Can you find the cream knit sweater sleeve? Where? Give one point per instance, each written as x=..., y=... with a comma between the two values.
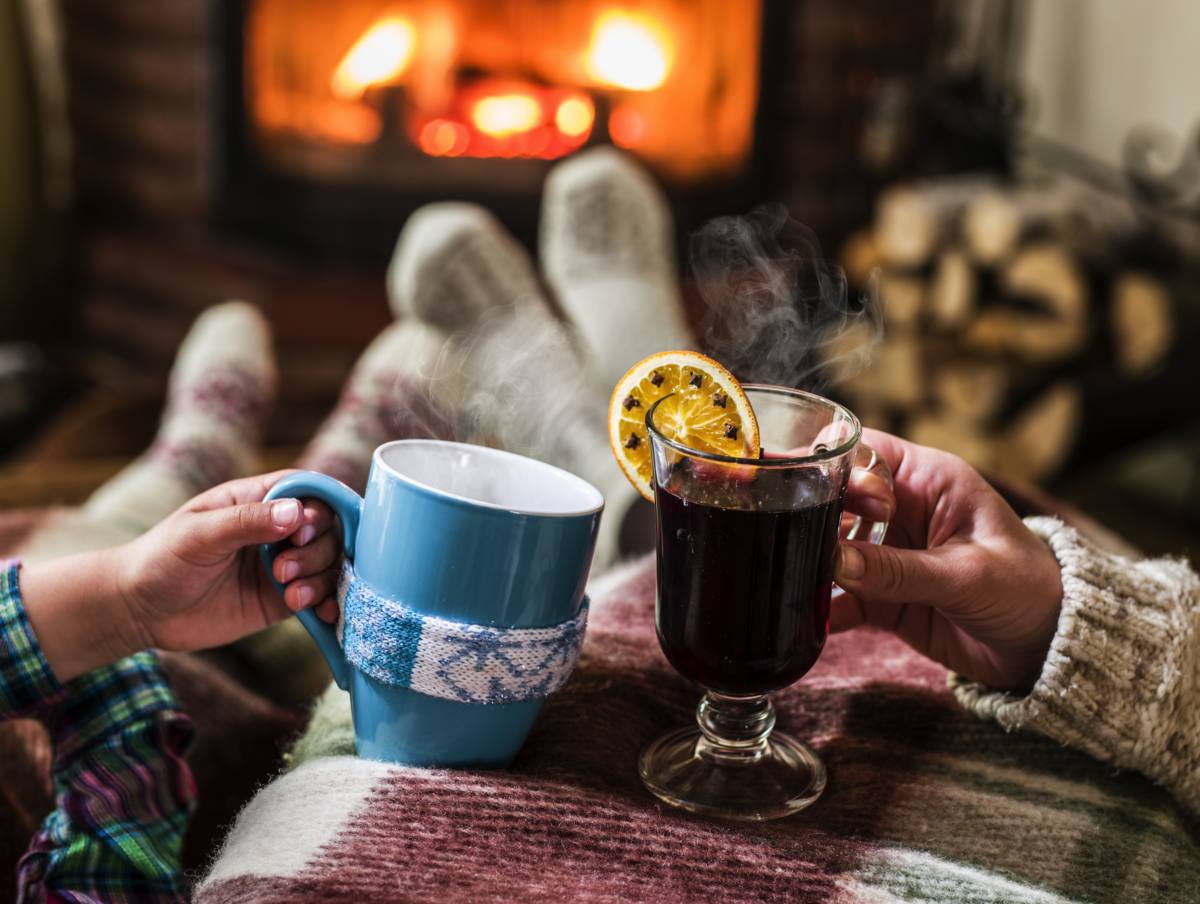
x=1122, y=679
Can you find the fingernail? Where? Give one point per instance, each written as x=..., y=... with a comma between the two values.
x=285, y=512
x=307, y=533
x=291, y=570
x=304, y=595
x=875, y=509
x=850, y=565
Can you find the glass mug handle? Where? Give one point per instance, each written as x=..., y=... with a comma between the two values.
x=869, y=460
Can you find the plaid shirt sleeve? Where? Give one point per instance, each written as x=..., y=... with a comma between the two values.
x=123, y=790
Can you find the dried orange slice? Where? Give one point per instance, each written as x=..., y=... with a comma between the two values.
x=706, y=410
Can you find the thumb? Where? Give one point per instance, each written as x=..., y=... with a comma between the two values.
x=225, y=530
x=885, y=574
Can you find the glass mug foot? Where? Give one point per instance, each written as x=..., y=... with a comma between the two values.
x=732, y=764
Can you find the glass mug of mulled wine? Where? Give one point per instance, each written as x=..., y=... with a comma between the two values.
x=745, y=577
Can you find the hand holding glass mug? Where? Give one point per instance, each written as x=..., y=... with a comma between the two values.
x=961, y=579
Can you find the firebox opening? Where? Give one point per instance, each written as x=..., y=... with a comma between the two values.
x=362, y=90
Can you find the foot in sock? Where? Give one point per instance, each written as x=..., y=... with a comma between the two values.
x=454, y=262
x=405, y=386
x=524, y=387
x=220, y=389
x=608, y=254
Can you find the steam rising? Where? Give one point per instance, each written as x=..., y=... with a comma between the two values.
x=529, y=394
x=779, y=312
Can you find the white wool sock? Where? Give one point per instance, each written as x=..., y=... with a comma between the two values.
x=405, y=386
x=524, y=387
x=221, y=386
x=608, y=254
x=454, y=261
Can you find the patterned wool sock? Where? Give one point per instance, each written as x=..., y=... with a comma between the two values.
x=453, y=262
x=608, y=253
x=523, y=378
x=221, y=387
x=405, y=386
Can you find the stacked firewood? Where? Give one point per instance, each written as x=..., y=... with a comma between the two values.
x=995, y=300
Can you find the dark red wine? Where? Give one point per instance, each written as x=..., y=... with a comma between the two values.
x=743, y=595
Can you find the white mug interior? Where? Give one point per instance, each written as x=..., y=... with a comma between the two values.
x=489, y=477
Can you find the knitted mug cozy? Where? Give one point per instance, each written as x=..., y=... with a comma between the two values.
x=455, y=661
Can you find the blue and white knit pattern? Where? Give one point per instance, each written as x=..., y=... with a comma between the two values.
x=468, y=663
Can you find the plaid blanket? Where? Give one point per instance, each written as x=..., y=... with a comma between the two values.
x=925, y=802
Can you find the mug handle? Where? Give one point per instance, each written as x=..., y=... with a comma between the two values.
x=347, y=505
x=869, y=460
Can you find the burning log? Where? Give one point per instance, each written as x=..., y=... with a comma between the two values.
x=1142, y=324
x=912, y=221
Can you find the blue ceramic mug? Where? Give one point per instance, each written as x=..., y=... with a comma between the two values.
x=460, y=560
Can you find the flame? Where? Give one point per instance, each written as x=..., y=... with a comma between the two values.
x=627, y=127
x=380, y=55
x=574, y=116
x=629, y=52
x=442, y=138
x=507, y=114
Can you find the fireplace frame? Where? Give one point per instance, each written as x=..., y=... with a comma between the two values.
x=343, y=223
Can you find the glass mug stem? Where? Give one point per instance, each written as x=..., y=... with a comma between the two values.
x=734, y=730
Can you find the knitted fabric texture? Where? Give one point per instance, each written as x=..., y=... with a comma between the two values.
x=440, y=658
x=1122, y=679
x=925, y=802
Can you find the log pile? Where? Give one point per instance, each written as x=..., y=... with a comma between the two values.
x=997, y=301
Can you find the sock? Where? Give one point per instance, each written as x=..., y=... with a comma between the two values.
x=524, y=387
x=608, y=253
x=453, y=262
x=221, y=387
x=405, y=386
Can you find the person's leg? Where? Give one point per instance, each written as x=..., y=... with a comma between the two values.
x=524, y=387
x=405, y=386
x=608, y=254
x=221, y=387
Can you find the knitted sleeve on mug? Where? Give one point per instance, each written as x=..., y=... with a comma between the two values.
x=1122, y=678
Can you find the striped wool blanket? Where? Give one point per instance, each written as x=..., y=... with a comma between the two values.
x=925, y=802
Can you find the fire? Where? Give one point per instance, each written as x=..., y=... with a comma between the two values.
x=442, y=138
x=380, y=55
x=629, y=52
x=627, y=127
x=575, y=116
x=506, y=115
x=507, y=118
x=676, y=81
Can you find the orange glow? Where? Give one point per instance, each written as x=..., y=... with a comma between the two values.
x=629, y=52
x=507, y=118
x=677, y=81
x=442, y=138
x=381, y=55
x=575, y=116
x=506, y=115
x=627, y=127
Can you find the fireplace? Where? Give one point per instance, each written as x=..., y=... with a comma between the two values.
x=341, y=119
x=178, y=186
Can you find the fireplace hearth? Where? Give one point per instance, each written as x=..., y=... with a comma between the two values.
x=183, y=202
x=340, y=120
